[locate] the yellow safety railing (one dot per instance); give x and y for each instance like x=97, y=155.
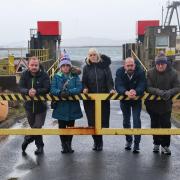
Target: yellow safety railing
x=7, y=69
x=98, y=130
x=53, y=69
x=42, y=54
x=134, y=55
x=7, y=66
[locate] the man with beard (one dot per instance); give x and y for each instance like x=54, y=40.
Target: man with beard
x=130, y=81
x=34, y=81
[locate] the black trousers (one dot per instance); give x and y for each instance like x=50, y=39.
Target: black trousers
x=35, y=121
x=89, y=107
x=161, y=121
x=63, y=125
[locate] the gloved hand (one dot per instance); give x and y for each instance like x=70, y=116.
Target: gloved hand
x=64, y=94
x=160, y=92
x=166, y=96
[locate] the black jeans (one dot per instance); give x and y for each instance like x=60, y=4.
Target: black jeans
x=35, y=121
x=161, y=121
x=63, y=125
x=89, y=107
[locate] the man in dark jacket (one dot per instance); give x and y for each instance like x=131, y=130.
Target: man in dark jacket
x=131, y=82
x=162, y=81
x=34, y=81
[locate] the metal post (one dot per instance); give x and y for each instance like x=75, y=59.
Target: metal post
x=98, y=118
x=178, y=19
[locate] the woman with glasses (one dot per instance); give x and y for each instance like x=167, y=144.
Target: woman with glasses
x=97, y=78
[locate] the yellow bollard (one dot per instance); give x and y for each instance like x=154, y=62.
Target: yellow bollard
x=11, y=67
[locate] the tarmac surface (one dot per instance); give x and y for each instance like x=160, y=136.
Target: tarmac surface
x=84, y=164
x=113, y=163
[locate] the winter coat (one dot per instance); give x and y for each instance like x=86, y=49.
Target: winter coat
x=137, y=82
x=167, y=80
x=66, y=110
x=41, y=83
x=97, y=77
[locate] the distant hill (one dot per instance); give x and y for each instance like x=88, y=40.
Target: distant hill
x=90, y=41
x=74, y=42
x=18, y=44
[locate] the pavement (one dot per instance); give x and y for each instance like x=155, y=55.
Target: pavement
x=113, y=163
x=84, y=164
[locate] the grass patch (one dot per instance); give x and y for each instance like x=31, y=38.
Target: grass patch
x=176, y=110
x=16, y=111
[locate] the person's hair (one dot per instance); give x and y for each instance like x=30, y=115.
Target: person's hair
x=129, y=58
x=33, y=58
x=95, y=51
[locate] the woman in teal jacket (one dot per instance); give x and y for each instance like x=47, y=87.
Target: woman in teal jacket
x=64, y=84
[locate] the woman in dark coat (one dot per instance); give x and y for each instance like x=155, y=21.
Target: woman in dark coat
x=97, y=78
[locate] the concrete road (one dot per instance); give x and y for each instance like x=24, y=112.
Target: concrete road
x=113, y=163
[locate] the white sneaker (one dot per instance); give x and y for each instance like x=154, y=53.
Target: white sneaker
x=165, y=150
x=156, y=148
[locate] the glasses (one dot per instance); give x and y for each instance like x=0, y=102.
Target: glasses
x=90, y=55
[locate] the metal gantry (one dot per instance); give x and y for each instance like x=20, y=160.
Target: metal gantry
x=171, y=8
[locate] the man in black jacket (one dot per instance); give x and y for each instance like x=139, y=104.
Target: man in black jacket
x=34, y=81
x=162, y=81
x=131, y=82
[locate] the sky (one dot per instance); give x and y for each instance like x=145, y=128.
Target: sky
x=110, y=19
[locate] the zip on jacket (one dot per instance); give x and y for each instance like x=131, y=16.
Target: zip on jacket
x=33, y=79
x=96, y=79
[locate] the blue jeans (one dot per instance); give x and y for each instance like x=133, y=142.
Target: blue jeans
x=126, y=108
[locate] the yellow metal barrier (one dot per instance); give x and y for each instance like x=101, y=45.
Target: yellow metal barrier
x=86, y=131
x=53, y=69
x=90, y=131
x=7, y=66
x=96, y=97
x=42, y=54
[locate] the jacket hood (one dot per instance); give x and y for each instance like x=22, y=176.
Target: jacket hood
x=104, y=63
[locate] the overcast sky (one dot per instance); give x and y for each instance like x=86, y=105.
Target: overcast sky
x=112, y=19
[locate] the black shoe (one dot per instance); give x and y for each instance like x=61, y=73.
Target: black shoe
x=95, y=147
x=39, y=151
x=70, y=150
x=64, y=148
x=24, y=146
x=128, y=146
x=99, y=147
x=136, y=149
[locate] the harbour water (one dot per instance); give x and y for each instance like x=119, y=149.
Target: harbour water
x=76, y=53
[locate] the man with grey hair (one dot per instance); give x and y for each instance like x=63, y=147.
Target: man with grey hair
x=131, y=82
x=162, y=81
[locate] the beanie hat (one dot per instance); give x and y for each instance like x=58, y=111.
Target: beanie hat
x=65, y=59
x=161, y=58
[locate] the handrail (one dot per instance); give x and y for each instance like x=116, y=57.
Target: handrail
x=53, y=69
x=139, y=60
x=41, y=54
